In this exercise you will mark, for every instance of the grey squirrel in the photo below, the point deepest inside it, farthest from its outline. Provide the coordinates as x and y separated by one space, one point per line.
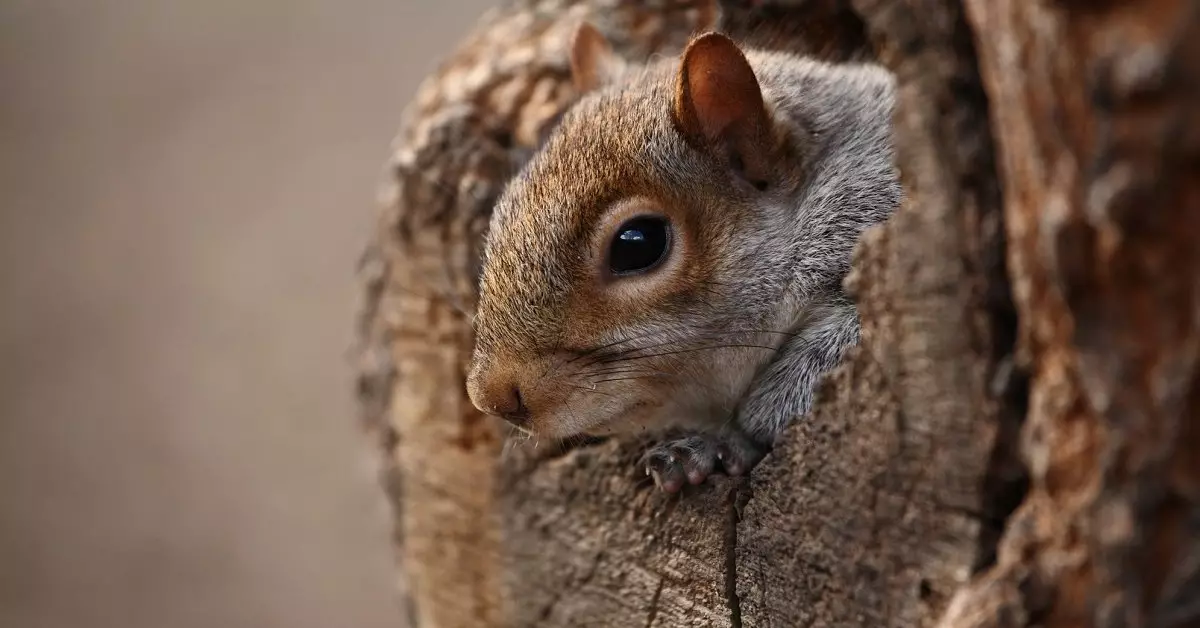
672 258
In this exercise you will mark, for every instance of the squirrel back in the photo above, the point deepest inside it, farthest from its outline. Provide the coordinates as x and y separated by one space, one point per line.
685 222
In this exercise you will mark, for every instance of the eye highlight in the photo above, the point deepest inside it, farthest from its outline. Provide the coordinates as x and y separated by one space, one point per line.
639 245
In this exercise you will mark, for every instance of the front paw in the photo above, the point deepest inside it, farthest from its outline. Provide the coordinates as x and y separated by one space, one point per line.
692 459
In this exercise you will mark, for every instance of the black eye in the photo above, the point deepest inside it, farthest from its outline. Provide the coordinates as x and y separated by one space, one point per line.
639 245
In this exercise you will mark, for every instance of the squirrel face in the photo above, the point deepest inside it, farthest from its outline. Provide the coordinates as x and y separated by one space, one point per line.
633 276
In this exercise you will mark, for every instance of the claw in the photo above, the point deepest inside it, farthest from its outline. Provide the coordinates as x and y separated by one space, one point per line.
693 459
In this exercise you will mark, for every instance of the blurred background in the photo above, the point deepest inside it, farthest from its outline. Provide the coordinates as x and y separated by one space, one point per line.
186 188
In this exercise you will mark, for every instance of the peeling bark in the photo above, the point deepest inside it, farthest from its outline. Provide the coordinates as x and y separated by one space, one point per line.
1015 442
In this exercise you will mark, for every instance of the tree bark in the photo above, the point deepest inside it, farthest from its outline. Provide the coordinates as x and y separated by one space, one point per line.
1014 442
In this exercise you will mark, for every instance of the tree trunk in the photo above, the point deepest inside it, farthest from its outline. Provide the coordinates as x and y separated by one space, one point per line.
1014 442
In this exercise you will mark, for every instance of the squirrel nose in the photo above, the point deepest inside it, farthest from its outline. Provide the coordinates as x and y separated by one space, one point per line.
500 396
514 410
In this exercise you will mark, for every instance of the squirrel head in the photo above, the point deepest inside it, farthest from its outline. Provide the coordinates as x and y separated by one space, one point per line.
636 274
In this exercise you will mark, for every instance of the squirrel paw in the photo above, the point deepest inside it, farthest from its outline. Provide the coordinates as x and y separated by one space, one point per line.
692 459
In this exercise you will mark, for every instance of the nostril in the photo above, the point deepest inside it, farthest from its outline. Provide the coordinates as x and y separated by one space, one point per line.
515 411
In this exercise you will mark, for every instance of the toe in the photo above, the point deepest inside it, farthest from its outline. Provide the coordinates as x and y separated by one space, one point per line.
669 479
663 465
738 456
698 457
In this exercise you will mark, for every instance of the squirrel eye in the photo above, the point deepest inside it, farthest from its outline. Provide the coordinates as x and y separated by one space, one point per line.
639 245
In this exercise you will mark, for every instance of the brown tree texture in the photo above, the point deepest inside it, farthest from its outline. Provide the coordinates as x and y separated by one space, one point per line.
1016 441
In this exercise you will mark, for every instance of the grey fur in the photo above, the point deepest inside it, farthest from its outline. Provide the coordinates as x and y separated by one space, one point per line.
778 256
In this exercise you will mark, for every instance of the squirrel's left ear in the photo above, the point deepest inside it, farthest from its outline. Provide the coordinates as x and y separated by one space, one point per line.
719 105
593 61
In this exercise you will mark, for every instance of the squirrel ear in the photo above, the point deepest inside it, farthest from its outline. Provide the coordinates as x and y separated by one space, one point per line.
593 62
719 105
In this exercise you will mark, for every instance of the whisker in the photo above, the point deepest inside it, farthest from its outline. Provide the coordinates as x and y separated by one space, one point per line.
612 358
613 364
708 333
623 379
514 438
586 389
605 356
619 370
610 345
692 350
549 365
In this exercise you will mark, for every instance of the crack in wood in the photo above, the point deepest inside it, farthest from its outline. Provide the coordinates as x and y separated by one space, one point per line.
653 614
738 497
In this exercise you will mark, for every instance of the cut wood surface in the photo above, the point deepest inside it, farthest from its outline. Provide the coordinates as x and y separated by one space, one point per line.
1015 440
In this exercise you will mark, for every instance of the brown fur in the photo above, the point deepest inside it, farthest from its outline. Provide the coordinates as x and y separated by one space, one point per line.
767 166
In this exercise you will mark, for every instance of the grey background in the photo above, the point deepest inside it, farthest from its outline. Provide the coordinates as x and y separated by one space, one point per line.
186 187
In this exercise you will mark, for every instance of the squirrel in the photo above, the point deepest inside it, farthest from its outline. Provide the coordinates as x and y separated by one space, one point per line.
671 259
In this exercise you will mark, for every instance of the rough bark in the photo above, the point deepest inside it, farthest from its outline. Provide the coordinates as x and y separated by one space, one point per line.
875 502
973 463
1100 154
